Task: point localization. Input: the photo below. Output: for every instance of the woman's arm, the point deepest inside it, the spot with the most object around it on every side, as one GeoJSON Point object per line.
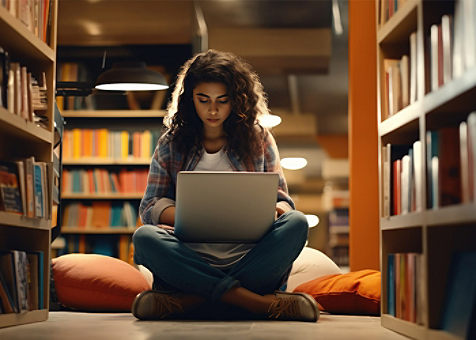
{"type": "Point", "coordinates": [160, 191]}
{"type": "Point", "coordinates": [272, 164]}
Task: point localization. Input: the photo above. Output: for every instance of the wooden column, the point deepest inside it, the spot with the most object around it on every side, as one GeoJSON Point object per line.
{"type": "Point", "coordinates": [363, 153]}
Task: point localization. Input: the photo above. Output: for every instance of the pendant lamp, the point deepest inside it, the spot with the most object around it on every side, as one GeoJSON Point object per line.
{"type": "Point", "coordinates": [130, 76]}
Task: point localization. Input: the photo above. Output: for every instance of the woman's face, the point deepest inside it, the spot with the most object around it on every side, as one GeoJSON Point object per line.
{"type": "Point", "coordinates": [212, 104]}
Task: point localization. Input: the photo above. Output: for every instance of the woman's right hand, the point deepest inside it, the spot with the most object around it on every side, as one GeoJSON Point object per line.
{"type": "Point", "coordinates": [168, 216]}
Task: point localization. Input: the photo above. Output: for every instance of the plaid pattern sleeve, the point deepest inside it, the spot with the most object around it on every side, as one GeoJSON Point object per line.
{"type": "Point", "coordinates": [272, 164]}
{"type": "Point", "coordinates": [160, 190]}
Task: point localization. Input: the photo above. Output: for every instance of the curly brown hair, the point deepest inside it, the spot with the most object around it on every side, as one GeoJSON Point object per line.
{"type": "Point", "coordinates": [247, 98]}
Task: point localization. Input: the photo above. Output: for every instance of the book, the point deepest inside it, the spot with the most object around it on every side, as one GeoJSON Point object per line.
{"type": "Point", "coordinates": [7, 268]}
{"type": "Point", "coordinates": [469, 33]}
{"type": "Point", "coordinates": [405, 184]}
{"type": "Point", "coordinates": [413, 68]}
{"type": "Point", "coordinates": [4, 67]}
{"type": "Point", "coordinates": [391, 284]}
{"type": "Point", "coordinates": [447, 46]}
{"type": "Point", "coordinates": [434, 56]}
{"type": "Point", "coordinates": [464, 166]}
{"type": "Point", "coordinates": [435, 185]}
{"type": "Point", "coordinates": [29, 188]}
{"type": "Point", "coordinates": [458, 41]}
{"type": "Point", "coordinates": [10, 196]}
{"type": "Point", "coordinates": [449, 166]}
{"type": "Point", "coordinates": [38, 190]}
{"type": "Point", "coordinates": [20, 261]}
{"type": "Point", "coordinates": [418, 174]}
{"type": "Point", "coordinates": [33, 284]}
{"type": "Point", "coordinates": [405, 80]}
{"type": "Point", "coordinates": [22, 185]}
{"type": "Point", "coordinates": [471, 122]}
{"type": "Point", "coordinates": [431, 151]}
{"type": "Point", "coordinates": [396, 188]}
{"type": "Point", "coordinates": [6, 300]}
{"type": "Point", "coordinates": [460, 294]}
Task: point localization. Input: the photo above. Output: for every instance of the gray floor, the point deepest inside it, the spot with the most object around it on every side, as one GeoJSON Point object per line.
{"type": "Point", "coordinates": [91, 326]}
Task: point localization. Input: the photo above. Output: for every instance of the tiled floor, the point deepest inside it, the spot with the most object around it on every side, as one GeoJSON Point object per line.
{"type": "Point", "coordinates": [91, 326]}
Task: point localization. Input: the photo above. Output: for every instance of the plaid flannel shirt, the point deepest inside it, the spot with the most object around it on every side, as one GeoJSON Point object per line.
{"type": "Point", "coordinates": [167, 161]}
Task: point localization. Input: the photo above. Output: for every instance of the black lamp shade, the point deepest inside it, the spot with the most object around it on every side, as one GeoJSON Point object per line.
{"type": "Point", "coordinates": [130, 77]}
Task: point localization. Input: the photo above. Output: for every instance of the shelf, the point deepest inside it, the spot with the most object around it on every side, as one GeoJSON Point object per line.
{"type": "Point", "coordinates": [404, 327]}
{"type": "Point", "coordinates": [31, 48]}
{"type": "Point", "coordinates": [12, 319]}
{"type": "Point", "coordinates": [113, 113]}
{"type": "Point", "coordinates": [410, 220]}
{"type": "Point", "coordinates": [15, 125]}
{"type": "Point", "coordinates": [457, 214]}
{"type": "Point", "coordinates": [110, 230]}
{"type": "Point", "coordinates": [401, 118]}
{"type": "Point", "coordinates": [400, 25]}
{"type": "Point", "coordinates": [102, 196]}
{"type": "Point", "coordinates": [105, 161]}
{"type": "Point", "coordinates": [339, 229]}
{"type": "Point", "coordinates": [448, 97]}
{"type": "Point", "coordinates": [23, 221]}
{"type": "Point", "coordinates": [435, 334]}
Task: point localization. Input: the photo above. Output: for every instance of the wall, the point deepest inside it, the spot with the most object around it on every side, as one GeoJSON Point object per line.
{"type": "Point", "coordinates": [363, 155]}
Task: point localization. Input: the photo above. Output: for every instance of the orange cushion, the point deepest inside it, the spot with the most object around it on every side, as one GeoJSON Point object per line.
{"type": "Point", "coordinates": [351, 293]}
{"type": "Point", "coordinates": [93, 282]}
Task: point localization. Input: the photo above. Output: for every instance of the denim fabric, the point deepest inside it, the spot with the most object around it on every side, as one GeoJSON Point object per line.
{"type": "Point", "coordinates": [263, 270]}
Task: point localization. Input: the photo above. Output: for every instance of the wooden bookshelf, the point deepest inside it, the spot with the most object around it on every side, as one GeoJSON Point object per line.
{"type": "Point", "coordinates": [435, 234]}
{"type": "Point", "coordinates": [103, 196]}
{"type": "Point", "coordinates": [99, 231]}
{"type": "Point", "coordinates": [114, 113]}
{"type": "Point", "coordinates": [105, 161]}
{"type": "Point", "coordinates": [21, 139]}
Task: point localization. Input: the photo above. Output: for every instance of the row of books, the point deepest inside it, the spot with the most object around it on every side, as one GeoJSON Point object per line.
{"type": "Point", "coordinates": [339, 220]}
{"type": "Point", "coordinates": [21, 281]}
{"type": "Point", "coordinates": [100, 180]}
{"type": "Point", "coordinates": [73, 72]}
{"type": "Point", "coordinates": [404, 291]}
{"type": "Point", "coordinates": [36, 15]}
{"type": "Point", "coordinates": [401, 178]}
{"type": "Point", "coordinates": [119, 246]}
{"type": "Point", "coordinates": [101, 214]}
{"type": "Point", "coordinates": [387, 8]}
{"type": "Point", "coordinates": [451, 164]}
{"type": "Point", "coordinates": [103, 143]}
{"type": "Point", "coordinates": [441, 53]}
{"type": "Point", "coordinates": [400, 83]}
{"type": "Point", "coordinates": [20, 91]}
{"type": "Point", "coordinates": [24, 187]}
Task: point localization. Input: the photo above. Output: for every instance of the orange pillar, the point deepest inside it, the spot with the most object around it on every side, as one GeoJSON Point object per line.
{"type": "Point", "coordinates": [363, 142]}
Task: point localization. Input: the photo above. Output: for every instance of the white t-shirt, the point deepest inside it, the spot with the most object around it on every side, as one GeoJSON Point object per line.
{"type": "Point", "coordinates": [220, 255]}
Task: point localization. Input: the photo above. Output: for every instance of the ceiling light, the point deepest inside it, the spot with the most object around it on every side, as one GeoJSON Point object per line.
{"type": "Point", "coordinates": [269, 120]}
{"type": "Point", "coordinates": [312, 220]}
{"type": "Point", "coordinates": [130, 76]}
{"type": "Point", "coordinates": [293, 163]}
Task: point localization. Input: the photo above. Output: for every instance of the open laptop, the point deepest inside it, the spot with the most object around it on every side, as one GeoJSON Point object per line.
{"type": "Point", "coordinates": [224, 206]}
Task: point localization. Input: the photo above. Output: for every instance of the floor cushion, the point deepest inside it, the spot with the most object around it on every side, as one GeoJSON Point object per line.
{"type": "Point", "coordinates": [351, 293]}
{"type": "Point", "coordinates": [310, 264]}
{"type": "Point", "coordinates": [91, 282]}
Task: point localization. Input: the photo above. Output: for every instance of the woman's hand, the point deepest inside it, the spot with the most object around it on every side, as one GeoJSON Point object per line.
{"type": "Point", "coordinates": [168, 216]}
{"type": "Point", "coordinates": [279, 212]}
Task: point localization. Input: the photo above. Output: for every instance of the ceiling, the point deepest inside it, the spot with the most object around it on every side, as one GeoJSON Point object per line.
{"type": "Point", "coordinates": [302, 63]}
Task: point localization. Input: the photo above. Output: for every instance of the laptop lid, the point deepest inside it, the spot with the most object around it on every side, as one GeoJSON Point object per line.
{"type": "Point", "coordinates": [224, 207]}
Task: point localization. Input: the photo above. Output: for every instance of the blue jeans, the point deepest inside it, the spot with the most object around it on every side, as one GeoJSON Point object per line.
{"type": "Point", "coordinates": [262, 270]}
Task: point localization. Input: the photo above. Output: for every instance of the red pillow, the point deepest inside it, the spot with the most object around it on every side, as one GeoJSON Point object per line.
{"type": "Point", "coordinates": [93, 282]}
{"type": "Point", "coordinates": [351, 293]}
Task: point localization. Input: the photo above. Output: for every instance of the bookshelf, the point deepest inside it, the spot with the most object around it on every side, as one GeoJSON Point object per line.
{"type": "Point", "coordinates": [422, 223]}
{"type": "Point", "coordinates": [86, 172]}
{"type": "Point", "coordinates": [22, 137]}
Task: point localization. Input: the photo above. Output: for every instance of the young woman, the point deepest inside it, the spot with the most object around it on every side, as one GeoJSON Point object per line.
{"type": "Point", "coordinates": [212, 125]}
